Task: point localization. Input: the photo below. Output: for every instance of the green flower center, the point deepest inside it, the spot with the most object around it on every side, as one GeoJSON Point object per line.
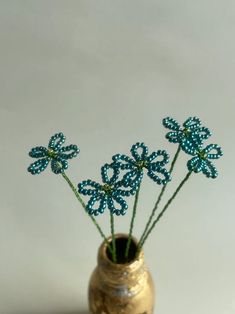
{"type": "Point", "coordinates": [141, 164]}
{"type": "Point", "coordinates": [107, 188]}
{"type": "Point", "coordinates": [51, 153]}
{"type": "Point", "coordinates": [202, 155]}
{"type": "Point", "coordinates": [186, 132]}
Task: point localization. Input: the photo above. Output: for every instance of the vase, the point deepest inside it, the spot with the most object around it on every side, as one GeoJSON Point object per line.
{"type": "Point", "coordinates": [122, 287]}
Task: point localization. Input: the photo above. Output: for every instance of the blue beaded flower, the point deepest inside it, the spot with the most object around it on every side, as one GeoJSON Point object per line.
{"type": "Point", "coordinates": [201, 161]}
{"type": "Point", "coordinates": [190, 136]}
{"type": "Point", "coordinates": [55, 153]}
{"type": "Point", "coordinates": [134, 166]}
{"type": "Point", "coordinates": [108, 194]}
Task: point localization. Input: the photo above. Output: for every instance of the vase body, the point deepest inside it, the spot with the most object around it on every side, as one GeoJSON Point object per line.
{"type": "Point", "coordinates": [124, 288]}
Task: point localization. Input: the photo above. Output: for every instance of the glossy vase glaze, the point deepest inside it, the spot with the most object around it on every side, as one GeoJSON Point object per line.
{"type": "Point", "coordinates": [121, 288]}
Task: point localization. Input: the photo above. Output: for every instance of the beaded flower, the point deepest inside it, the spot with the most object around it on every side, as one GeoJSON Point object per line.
{"type": "Point", "coordinates": [141, 160]}
{"type": "Point", "coordinates": [201, 161]}
{"type": "Point", "coordinates": [190, 136]}
{"type": "Point", "coordinates": [55, 153]}
{"type": "Point", "coordinates": [109, 194]}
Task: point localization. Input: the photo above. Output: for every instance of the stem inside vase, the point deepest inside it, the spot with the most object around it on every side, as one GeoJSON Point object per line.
{"type": "Point", "coordinates": [121, 243]}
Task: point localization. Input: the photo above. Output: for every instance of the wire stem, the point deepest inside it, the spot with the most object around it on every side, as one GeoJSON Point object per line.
{"type": "Point", "coordinates": [160, 196]}
{"type": "Point", "coordinates": [84, 206]}
{"type": "Point", "coordinates": [114, 254]}
{"type": "Point", "coordinates": [140, 245]}
{"type": "Point", "coordinates": [132, 222]}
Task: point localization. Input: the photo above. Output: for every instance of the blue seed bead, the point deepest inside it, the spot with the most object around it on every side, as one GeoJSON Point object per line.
{"type": "Point", "coordinates": [116, 157]}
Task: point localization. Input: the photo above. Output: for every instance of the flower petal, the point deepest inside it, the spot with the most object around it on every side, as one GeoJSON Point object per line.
{"type": "Point", "coordinates": [58, 165]}
{"type": "Point", "coordinates": [190, 145]}
{"type": "Point", "coordinates": [123, 162]}
{"type": "Point", "coordinates": [171, 124]}
{"type": "Point", "coordinates": [39, 166]}
{"type": "Point", "coordinates": [158, 153]}
{"type": "Point", "coordinates": [68, 152]}
{"type": "Point", "coordinates": [192, 123]}
{"type": "Point", "coordinates": [102, 202]}
{"type": "Point", "coordinates": [38, 152]}
{"type": "Point", "coordinates": [195, 164]}
{"type": "Point", "coordinates": [204, 133]}
{"type": "Point", "coordinates": [56, 141]}
{"type": "Point", "coordinates": [95, 188]}
{"type": "Point", "coordinates": [139, 151]}
{"type": "Point", "coordinates": [153, 172]}
{"type": "Point", "coordinates": [210, 170]}
{"type": "Point", "coordinates": [217, 151]}
{"type": "Point", "coordinates": [107, 177]}
{"type": "Point", "coordinates": [120, 188]}
{"type": "Point", "coordinates": [133, 178]}
{"type": "Point", "coordinates": [174, 136]}
{"type": "Point", "coordinates": [117, 205]}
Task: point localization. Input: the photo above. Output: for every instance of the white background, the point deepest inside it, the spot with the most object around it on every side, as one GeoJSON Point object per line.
{"type": "Point", "coordinates": [105, 73]}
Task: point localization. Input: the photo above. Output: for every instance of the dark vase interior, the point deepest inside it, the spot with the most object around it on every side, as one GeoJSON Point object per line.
{"type": "Point", "coordinates": [121, 248]}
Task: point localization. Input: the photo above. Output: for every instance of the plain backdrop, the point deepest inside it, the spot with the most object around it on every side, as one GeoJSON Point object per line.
{"type": "Point", "coordinates": [105, 73]}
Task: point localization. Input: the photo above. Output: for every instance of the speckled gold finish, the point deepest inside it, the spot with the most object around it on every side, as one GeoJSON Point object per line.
{"type": "Point", "coordinates": [121, 288]}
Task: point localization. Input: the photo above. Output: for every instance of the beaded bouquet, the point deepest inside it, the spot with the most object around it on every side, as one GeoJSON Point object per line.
{"type": "Point", "coordinates": [127, 173]}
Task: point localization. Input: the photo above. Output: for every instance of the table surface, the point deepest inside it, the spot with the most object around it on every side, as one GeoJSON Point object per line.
{"type": "Point", "coordinates": [105, 73]}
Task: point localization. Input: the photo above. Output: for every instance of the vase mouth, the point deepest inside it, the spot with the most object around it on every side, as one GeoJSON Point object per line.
{"type": "Point", "coordinates": [121, 241]}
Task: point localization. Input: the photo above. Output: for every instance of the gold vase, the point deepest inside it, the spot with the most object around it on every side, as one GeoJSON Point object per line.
{"type": "Point", "coordinates": [122, 288]}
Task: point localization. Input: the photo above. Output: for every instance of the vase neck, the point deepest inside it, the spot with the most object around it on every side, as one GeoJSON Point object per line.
{"type": "Point", "coordinates": [120, 271]}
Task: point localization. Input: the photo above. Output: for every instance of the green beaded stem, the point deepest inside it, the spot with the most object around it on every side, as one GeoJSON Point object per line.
{"type": "Point", "coordinates": [160, 196]}
{"type": "Point", "coordinates": [84, 206]}
{"type": "Point", "coordinates": [140, 244]}
{"type": "Point", "coordinates": [132, 222]}
{"type": "Point", "coordinates": [114, 254]}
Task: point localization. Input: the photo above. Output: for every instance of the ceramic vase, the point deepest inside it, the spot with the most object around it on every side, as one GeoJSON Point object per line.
{"type": "Point", "coordinates": [122, 287]}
